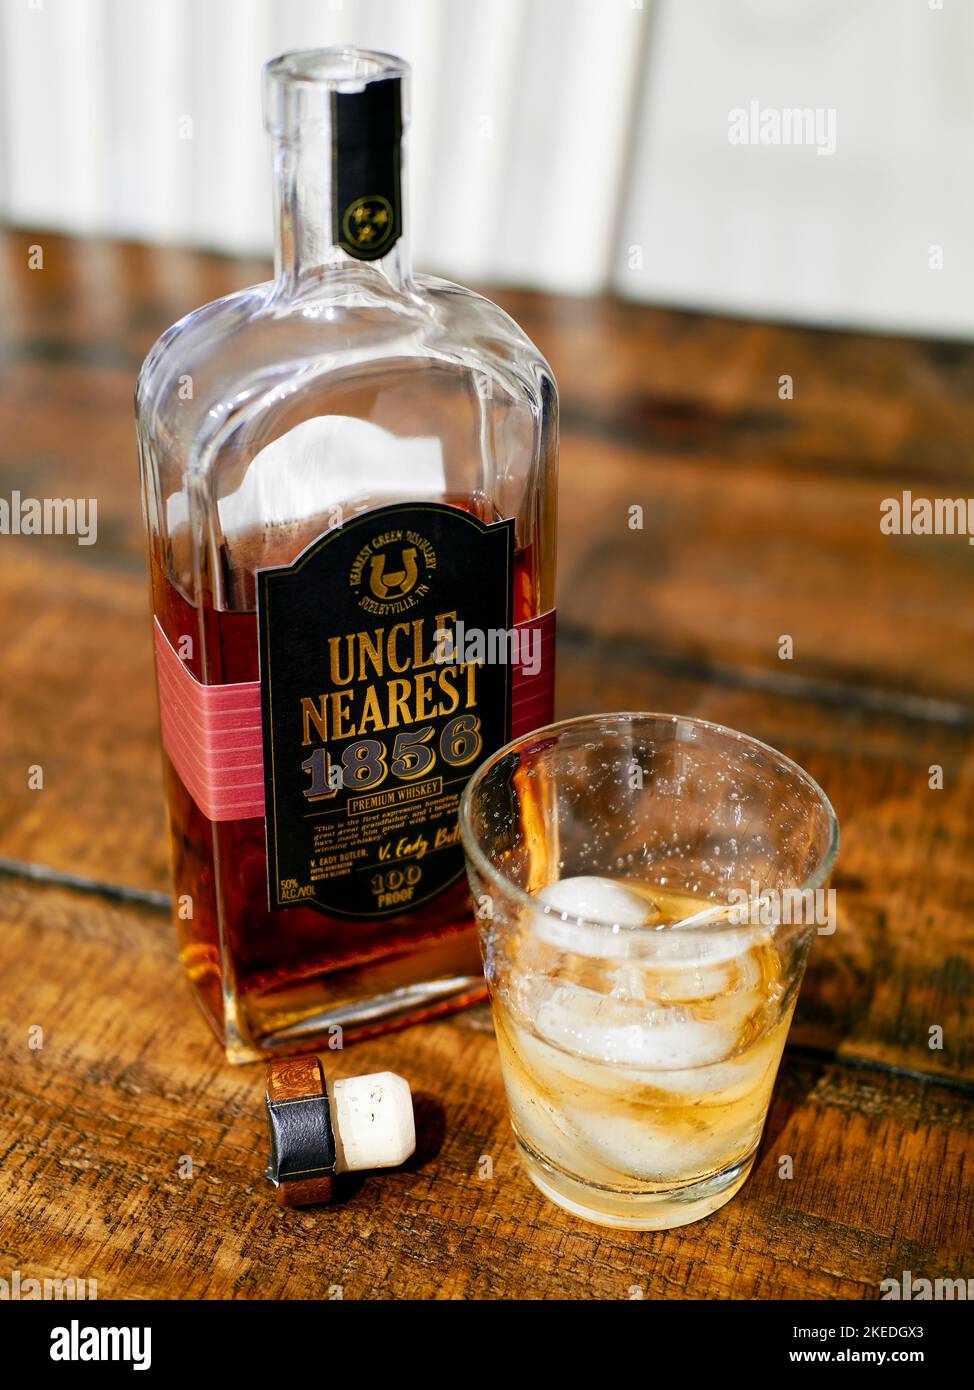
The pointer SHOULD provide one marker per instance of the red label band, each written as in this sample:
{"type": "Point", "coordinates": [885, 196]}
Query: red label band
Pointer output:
{"type": "Point", "coordinates": [533, 695]}
{"type": "Point", "coordinates": [212, 733]}
{"type": "Point", "coordinates": [212, 736]}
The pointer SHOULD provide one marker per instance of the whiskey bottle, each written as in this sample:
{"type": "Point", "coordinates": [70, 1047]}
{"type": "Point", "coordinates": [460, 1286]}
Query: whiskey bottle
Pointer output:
{"type": "Point", "coordinates": [348, 480]}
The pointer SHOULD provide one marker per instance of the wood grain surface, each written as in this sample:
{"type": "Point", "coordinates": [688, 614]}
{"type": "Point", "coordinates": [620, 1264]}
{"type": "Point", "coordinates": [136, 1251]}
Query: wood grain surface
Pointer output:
{"type": "Point", "coordinates": [133, 1155]}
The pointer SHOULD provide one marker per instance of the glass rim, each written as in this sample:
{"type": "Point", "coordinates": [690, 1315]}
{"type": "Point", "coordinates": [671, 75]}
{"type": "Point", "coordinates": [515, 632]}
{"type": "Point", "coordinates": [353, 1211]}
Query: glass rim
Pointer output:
{"type": "Point", "coordinates": [337, 67]}
{"type": "Point", "coordinates": [473, 851]}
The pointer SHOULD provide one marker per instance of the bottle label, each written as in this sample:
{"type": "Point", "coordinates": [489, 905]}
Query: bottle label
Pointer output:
{"type": "Point", "coordinates": [213, 737]}
{"type": "Point", "coordinates": [366, 154]}
{"type": "Point", "coordinates": [385, 678]}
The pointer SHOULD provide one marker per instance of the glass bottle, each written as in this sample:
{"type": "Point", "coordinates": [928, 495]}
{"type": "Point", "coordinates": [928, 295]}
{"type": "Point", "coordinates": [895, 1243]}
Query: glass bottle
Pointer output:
{"type": "Point", "coordinates": [348, 473]}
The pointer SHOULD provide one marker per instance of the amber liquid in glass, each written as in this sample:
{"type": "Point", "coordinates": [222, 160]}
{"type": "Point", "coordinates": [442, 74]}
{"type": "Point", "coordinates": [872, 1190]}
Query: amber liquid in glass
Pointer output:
{"type": "Point", "coordinates": [658, 1087]}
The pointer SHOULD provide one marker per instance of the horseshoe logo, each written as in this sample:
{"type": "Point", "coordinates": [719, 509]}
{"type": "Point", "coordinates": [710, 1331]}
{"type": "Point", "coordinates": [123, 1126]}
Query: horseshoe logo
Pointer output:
{"type": "Point", "coordinates": [394, 583]}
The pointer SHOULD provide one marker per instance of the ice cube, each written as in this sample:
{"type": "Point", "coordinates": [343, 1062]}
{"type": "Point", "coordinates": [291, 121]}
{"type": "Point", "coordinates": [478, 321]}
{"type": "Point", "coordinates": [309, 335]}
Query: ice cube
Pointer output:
{"type": "Point", "coordinates": [600, 900]}
{"type": "Point", "coordinates": [592, 1027]}
{"type": "Point", "coordinates": [588, 898]}
{"type": "Point", "coordinates": [609, 1121]}
{"type": "Point", "coordinates": [627, 1146]}
{"type": "Point", "coordinates": [671, 967]}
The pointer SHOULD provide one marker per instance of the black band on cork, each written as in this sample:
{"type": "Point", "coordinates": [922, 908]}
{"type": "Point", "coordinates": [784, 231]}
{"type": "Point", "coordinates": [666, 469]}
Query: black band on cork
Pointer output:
{"type": "Point", "coordinates": [302, 1159]}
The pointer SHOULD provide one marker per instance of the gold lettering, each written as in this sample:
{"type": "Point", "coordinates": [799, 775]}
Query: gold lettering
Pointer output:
{"type": "Point", "coordinates": [448, 684]}
{"type": "Point", "coordinates": [372, 650]}
{"type": "Point", "coordinates": [312, 713]}
{"type": "Point", "coordinates": [419, 660]}
{"type": "Point", "coordinates": [398, 707]}
{"type": "Point", "coordinates": [429, 688]}
{"type": "Point", "coordinates": [340, 714]}
{"type": "Point", "coordinates": [423, 708]}
{"type": "Point", "coordinates": [334, 646]}
{"type": "Point", "coordinates": [371, 719]}
{"type": "Point", "coordinates": [395, 664]}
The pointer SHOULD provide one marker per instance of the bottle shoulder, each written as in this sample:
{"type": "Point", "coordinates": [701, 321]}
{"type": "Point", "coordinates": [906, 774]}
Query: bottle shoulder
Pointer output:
{"type": "Point", "coordinates": [470, 317]}
{"type": "Point", "coordinates": [262, 341]}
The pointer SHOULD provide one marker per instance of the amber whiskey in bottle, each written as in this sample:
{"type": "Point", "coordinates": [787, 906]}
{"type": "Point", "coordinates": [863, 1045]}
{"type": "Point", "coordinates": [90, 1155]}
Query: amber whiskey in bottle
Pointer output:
{"type": "Point", "coordinates": [348, 482]}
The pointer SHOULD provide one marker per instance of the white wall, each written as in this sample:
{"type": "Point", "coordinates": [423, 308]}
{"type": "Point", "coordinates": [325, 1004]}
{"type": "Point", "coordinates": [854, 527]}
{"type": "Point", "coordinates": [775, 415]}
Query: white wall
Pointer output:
{"type": "Point", "coordinates": [568, 144]}
{"type": "Point", "coordinates": [520, 109]}
{"type": "Point", "coordinates": [784, 232]}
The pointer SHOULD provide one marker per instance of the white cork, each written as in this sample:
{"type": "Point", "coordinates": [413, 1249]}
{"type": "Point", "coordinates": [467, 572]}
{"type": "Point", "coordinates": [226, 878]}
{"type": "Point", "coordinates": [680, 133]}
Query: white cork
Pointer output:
{"type": "Point", "coordinates": [373, 1121]}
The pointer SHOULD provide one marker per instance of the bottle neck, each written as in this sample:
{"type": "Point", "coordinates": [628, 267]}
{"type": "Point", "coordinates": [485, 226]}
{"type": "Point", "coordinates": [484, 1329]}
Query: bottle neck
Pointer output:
{"type": "Point", "coordinates": [315, 234]}
{"type": "Point", "coordinates": [337, 117]}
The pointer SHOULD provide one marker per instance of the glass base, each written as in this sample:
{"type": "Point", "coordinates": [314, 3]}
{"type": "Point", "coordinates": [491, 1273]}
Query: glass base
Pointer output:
{"type": "Point", "coordinates": [636, 1211]}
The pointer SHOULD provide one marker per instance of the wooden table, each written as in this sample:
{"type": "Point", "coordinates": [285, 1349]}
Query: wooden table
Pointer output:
{"type": "Point", "coordinates": [761, 519]}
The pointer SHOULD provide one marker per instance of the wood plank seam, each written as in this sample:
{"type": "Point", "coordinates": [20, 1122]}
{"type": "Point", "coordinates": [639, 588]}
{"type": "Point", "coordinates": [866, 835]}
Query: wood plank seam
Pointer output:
{"type": "Point", "coordinates": [869, 699]}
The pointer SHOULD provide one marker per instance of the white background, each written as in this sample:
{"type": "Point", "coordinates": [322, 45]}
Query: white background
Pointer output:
{"type": "Point", "coordinates": [574, 145]}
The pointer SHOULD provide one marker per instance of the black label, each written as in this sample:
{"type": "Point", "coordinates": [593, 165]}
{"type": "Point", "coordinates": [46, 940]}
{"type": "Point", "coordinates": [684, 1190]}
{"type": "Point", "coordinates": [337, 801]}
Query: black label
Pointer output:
{"type": "Point", "coordinates": [367, 147]}
{"type": "Point", "coordinates": [372, 720]}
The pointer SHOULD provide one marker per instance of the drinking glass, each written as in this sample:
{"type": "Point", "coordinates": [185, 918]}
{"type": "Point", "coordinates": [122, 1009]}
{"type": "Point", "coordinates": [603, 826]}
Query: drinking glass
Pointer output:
{"type": "Point", "coordinates": [647, 887]}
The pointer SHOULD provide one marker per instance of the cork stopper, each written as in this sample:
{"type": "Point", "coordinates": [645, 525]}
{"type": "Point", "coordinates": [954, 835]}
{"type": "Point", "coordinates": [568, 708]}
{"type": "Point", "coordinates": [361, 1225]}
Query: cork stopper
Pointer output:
{"type": "Point", "coordinates": [373, 1119]}
{"type": "Point", "coordinates": [319, 1129]}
